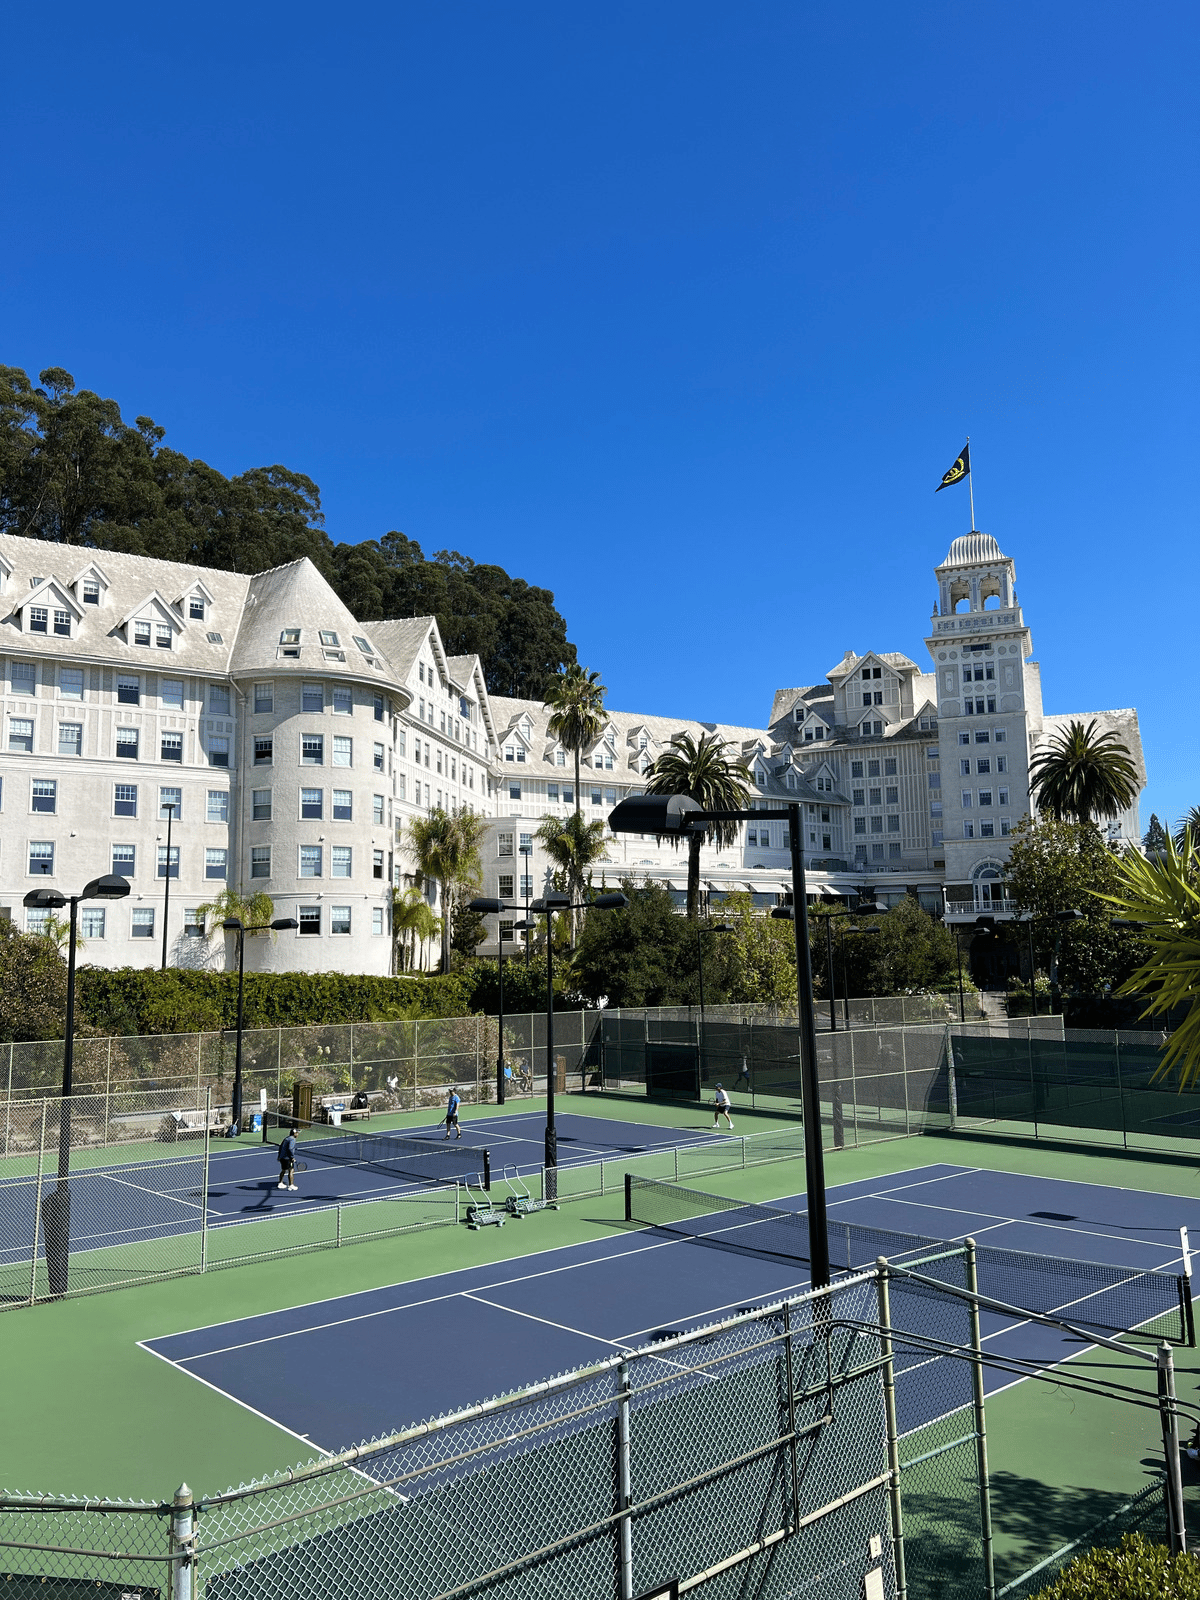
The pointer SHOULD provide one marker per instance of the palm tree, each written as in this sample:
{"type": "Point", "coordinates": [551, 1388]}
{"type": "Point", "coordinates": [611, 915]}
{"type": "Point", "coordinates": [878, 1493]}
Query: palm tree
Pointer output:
{"type": "Point", "coordinates": [413, 922]}
{"type": "Point", "coordinates": [576, 701]}
{"type": "Point", "coordinates": [1189, 824]}
{"type": "Point", "coordinates": [574, 846]}
{"type": "Point", "coordinates": [448, 847]}
{"type": "Point", "coordinates": [250, 910]}
{"type": "Point", "coordinates": [703, 772]}
{"type": "Point", "coordinates": [1083, 775]}
{"type": "Point", "coordinates": [1164, 895]}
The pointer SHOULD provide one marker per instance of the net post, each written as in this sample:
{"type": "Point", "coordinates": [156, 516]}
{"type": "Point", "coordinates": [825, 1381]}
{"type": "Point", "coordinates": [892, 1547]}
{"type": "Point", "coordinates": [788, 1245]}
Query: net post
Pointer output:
{"type": "Point", "coordinates": [1185, 1289]}
{"type": "Point", "coordinates": [338, 1230]}
{"type": "Point", "coordinates": [893, 1433]}
{"type": "Point", "coordinates": [1173, 1482]}
{"type": "Point", "coordinates": [628, 1196]}
{"type": "Point", "coordinates": [204, 1181]}
{"type": "Point", "coordinates": [951, 1082]}
{"type": "Point", "coordinates": [37, 1208]}
{"type": "Point", "coordinates": [981, 1455]}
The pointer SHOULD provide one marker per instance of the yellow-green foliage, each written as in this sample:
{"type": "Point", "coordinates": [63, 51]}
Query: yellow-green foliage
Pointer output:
{"type": "Point", "coordinates": [1134, 1570]}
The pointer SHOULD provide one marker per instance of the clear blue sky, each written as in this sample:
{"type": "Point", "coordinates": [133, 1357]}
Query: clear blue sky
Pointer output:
{"type": "Point", "coordinates": [678, 309]}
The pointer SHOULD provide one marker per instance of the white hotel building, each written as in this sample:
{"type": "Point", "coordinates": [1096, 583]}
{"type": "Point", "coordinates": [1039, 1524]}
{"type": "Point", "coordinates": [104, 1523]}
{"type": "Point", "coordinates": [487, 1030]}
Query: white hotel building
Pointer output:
{"type": "Point", "coordinates": [288, 743]}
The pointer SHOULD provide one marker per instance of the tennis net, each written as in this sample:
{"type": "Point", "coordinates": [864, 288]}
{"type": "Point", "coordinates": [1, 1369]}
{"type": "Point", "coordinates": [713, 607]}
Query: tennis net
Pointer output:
{"type": "Point", "coordinates": [1091, 1293]}
{"type": "Point", "coordinates": [430, 1160]}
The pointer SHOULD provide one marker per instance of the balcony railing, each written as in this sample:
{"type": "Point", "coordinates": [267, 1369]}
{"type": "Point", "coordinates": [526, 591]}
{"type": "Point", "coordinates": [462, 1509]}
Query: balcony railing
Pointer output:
{"type": "Point", "coordinates": [992, 905]}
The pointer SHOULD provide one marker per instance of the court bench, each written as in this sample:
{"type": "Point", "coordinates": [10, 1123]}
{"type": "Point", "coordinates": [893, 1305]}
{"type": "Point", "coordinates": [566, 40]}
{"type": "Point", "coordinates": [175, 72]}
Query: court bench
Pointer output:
{"type": "Point", "coordinates": [328, 1102]}
{"type": "Point", "coordinates": [193, 1124]}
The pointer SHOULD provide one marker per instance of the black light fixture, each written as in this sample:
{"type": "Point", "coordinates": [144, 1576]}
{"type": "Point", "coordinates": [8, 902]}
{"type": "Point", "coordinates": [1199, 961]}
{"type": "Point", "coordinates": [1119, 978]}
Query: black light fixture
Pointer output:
{"type": "Point", "coordinates": [1064, 920]}
{"type": "Point", "coordinates": [57, 1205]}
{"type": "Point", "coordinates": [235, 925]}
{"type": "Point", "coordinates": [701, 930]}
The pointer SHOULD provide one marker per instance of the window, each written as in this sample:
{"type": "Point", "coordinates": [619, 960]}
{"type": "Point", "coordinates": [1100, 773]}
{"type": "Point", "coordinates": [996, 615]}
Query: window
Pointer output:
{"type": "Point", "coordinates": [170, 693]}
{"type": "Point", "coordinates": [377, 707]}
{"type": "Point", "coordinates": [1002, 797]}
{"type": "Point", "coordinates": [363, 644]}
{"type": "Point", "coordinates": [938, 836]}
{"type": "Point", "coordinates": [312, 697]}
{"type": "Point", "coordinates": [260, 861]}
{"type": "Point", "coordinates": [378, 757]}
{"type": "Point", "coordinates": [860, 852]}
{"type": "Point", "coordinates": [41, 858]}
{"type": "Point", "coordinates": [552, 791]}
{"type": "Point", "coordinates": [597, 797]}
{"type": "Point", "coordinates": [163, 636]}
{"type": "Point", "coordinates": [568, 794]}
{"type": "Point", "coordinates": [196, 608]}
{"type": "Point", "coordinates": [935, 780]}
{"type": "Point", "coordinates": [859, 797]}
{"type": "Point", "coordinates": [876, 797]}
{"type": "Point", "coordinates": [218, 750]}
{"type": "Point", "coordinates": [343, 805]}
{"type": "Point", "coordinates": [91, 922]}
{"type": "Point", "coordinates": [171, 747]}
{"type": "Point", "coordinates": [39, 619]}
{"type": "Point", "coordinates": [215, 638]}
{"type": "Point", "coordinates": [310, 920]}
{"type": "Point", "coordinates": [893, 795]}
{"type": "Point", "coordinates": [964, 769]}
{"type": "Point", "coordinates": [91, 593]}
{"type": "Point", "coordinates": [193, 923]}
{"type": "Point", "coordinates": [752, 837]}
{"type": "Point", "coordinates": [968, 830]}
{"type": "Point", "coordinates": [143, 922]}
{"type": "Point", "coordinates": [935, 808]}
{"type": "Point", "coordinates": [504, 842]}
{"type": "Point", "coordinates": [312, 803]}
{"type": "Point", "coordinates": [893, 823]}
{"type": "Point", "coordinates": [966, 799]}
{"type": "Point", "coordinates": [889, 767]}
{"type": "Point", "coordinates": [377, 810]}
{"type": "Point", "coordinates": [1004, 826]}
{"type": "Point", "coordinates": [560, 758]}
{"type": "Point", "coordinates": [312, 749]}
{"type": "Point", "coordinates": [24, 677]}
{"type": "Point", "coordinates": [339, 919]}
{"type": "Point", "coordinates": [218, 699]}
{"type": "Point", "coordinates": [343, 751]}
{"type": "Point", "coordinates": [376, 919]}
{"type": "Point", "coordinates": [70, 738]}
{"type": "Point", "coordinates": [504, 886]}
{"type": "Point", "coordinates": [123, 856]}
{"type": "Point", "coordinates": [876, 824]}
{"type": "Point", "coordinates": [217, 807]}
{"type": "Point", "coordinates": [983, 737]}
{"type": "Point", "coordinates": [525, 844]}
{"type": "Point", "coordinates": [264, 697]}
{"type": "Point", "coordinates": [1001, 763]}
{"type": "Point", "coordinates": [260, 805]}
{"type": "Point", "coordinates": [856, 769]}
{"type": "Point", "coordinates": [610, 797]}
{"type": "Point", "coordinates": [872, 769]}
{"type": "Point", "coordinates": [876, 852]}
{"type": "Point", "coordinates": [987, 828]}
{"type": "Point", "coordinates": [141, 633]}
{"type": "Point", "coordinates": [985, 797]}
{"type": "Point", "coordinates": [264, 752]}
{"type": "Point", "coordinates": [215, 863]}
{"type": "Point", "coordinates": [328, 638]}
{"type": "Point", "coordinates": [310, 861]}
{"type": "Point", "coordinates": [127, 744]}
{"type": "Point", "coordinates": [343, 702]}
{"type": "Point", "coordinates": [893, 850]}
{"type": "Point", "coordinates": [162, 861]}
{"type": "Point", "coordinates": [70, 683]}
{"type": "Point", "coordinates": [290, 636]}
{"type": "Point", "coordinates": [128, 690]}
{"type": "Point", "coordinates": [341, 861]}
{"type": "Point", "coordinates": [125, 800]}
{"type": "Point", "coordinates": [170, 798]}
{"type": "Point", "coordinates": [964, 738]}
{"type": "Point", "coordinates": [514, 790]}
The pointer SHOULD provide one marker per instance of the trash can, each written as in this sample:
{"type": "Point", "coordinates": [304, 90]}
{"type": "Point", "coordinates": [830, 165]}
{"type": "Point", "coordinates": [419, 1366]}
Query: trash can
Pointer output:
{"type": "Point", "coordinates": [335, 1115]}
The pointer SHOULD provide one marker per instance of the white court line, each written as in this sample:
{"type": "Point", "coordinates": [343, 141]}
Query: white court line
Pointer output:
{"type": "Point", "coordinates": [1082, 1183]}
{"type": "Point", "coordinates": [547, 1322]}
{"type": "Point", "coordinates": [225, 1394]}
{"type": "Point", "coordinates": [161, 1194]}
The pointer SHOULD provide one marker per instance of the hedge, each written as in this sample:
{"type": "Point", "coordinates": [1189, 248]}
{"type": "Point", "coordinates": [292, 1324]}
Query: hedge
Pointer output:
{"type": "Point", "coordinates": [1134, 1570]}
{"type": "Point", "coordinates": [128, 1000]}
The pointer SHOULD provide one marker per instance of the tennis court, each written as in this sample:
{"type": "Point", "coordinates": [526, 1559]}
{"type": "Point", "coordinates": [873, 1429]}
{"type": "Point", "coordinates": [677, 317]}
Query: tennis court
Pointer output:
{"type": "Point", "coordinates": [432, 1344]}
{"type": "Point", "coordinates": [132, 1202]}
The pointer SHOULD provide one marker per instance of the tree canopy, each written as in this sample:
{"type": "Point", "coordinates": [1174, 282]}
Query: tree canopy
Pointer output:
{"type": "Point", "coordinates": [72, 471]}
{"type": "Point", "coordinates": [1083, 774]}
{"type": "Point", "coordinates": [704, 773]}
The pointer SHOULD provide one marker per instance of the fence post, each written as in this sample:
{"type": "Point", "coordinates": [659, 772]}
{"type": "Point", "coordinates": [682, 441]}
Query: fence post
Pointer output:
{"type": "Point", "coordinates": [107, 1088]}
{"type": "Point", "coordinates": [8, 1102]}
{"type": "Point", "coordinates": [1120, 1089]}
{"type": "Point", "coordinates": [181, 1545]}
{"type": "Point", "coordinates": [204, 1181]}
{"type": "Point", "coordinates": [37, 1208]}
{"type": "Point", "coordinates": [904, 1075]}
{"type": "Point", "coordinates": [352, 1058]}
{"type": "Point", "coordinates": [1173, 1483]}
{"type": "Point", "coordinates": [793, 1457]}
{"type": "Point", "coordinates": [624, 1487]}
{"type": "Point", "coordinates": [981, 1456]}
{"type": "Point", "coordinates": [893, 1435]}
{"type": "Point", "coordinates": [849, 1035]}
{"type": "Point", "coordinates": [279, 1061]}
{"type": "Point", "coordinates": [199, 1063]}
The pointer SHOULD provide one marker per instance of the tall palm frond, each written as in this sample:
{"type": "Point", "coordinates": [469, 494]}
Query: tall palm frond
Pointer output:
{"type": "Point", "coordinates": [705, 773]}
{"type": "Point", "coordinates": [576, 701]}
{"type": "Point", "coordinates": [1083, 775]}
{"type": "Point", "coordinates": [1190, 824]}
{"type": "Point", "coordinates": [251, 910]}
{"type": "Point", "coordinates": [448, 847]}
{"type": "Point", "coordinates": [1164, 894]}
{"type": "Point", "coordinates": [413, 922]}
{"type": "Point", "coordinates": [574, 846]}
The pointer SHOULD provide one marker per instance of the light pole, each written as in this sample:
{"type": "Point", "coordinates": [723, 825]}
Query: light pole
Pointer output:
{"type": "Point", "coordinates": [170, 810]}
{"type": "Point", "coordinates": [57, 1209]}
{"type": "Point", "coordinates": [845, 927]}
{"type": "Point", "coordinates": [678, 814]}
{"type": "Point", "coordinates": [492, 908]}
{"type": "Point", "coordinates": [1061, 917]}
{"type": "Point", "coordinates": [526, 885]}
{"type": "Point", "coordinates": [701, 930]}
{"type": "Point", "coordinates": [235, 925]}
{"type": "Point", "coordinates": [548, 905]}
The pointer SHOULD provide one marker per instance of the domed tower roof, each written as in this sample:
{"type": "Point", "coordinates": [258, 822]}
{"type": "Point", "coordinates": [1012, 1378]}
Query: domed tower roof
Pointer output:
{"type": "Point", "coordinates": [973, 548]}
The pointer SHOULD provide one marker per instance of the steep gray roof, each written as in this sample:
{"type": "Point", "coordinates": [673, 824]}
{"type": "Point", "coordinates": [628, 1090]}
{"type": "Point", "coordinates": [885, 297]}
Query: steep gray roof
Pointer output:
{"type": "Point", "coordinates": [402, 638]}
{"type": "Point", "coordinates": [297, 596]}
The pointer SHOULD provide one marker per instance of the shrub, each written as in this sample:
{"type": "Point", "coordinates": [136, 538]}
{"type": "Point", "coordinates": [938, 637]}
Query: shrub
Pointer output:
{"type": "Point", "coordinates": [1134, 1570]}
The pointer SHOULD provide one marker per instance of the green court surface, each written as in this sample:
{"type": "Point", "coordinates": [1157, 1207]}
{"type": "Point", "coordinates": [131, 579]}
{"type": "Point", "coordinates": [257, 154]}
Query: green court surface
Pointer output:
{"type": "Point", "coordinates": [89, 1413]}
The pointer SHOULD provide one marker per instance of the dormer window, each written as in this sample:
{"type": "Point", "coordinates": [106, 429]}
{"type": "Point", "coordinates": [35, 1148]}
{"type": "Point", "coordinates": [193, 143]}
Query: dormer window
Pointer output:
{"type": "Point", "coordinates": [290, 636]}
{"type": "Point", "coordinates": [329, 638]}
{"type": "Point", "coordinates": [91, 593]}
{"type": "Point", "coordinates": [39, 619]}
{"type": "Point", "coordinates": [141, 633]}
{"type": "Point", "coordinates": [162, 635]}
{"type": "Point", "coordinates": [363, 644]}
{"type": "Point", "coordinates": [196, 608]}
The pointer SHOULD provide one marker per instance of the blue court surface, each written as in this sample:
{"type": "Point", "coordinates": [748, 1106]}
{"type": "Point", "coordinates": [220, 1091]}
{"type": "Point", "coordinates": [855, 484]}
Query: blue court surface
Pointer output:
{"type": "Point", "coordinates": [427, 1347]}
{"type": "Point", "coordinates": [131, 1202]}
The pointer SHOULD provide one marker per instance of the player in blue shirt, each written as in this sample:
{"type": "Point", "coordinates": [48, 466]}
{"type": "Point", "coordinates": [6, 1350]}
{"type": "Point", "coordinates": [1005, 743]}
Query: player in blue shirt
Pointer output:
{"type": "Point", "coordinates": [452, 1105]}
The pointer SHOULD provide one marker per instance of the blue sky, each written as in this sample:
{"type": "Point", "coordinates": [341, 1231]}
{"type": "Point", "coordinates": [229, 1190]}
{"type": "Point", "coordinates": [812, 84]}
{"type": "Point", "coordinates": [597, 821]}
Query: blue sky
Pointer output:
{"type": "Point", "coordinates": [680, 310]}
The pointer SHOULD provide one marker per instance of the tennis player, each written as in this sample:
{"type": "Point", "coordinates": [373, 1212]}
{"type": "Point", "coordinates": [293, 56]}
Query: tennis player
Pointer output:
{"type": "Point", "coordinates": [287, 1162]}
{"type": "Point", "coordinates": [721, 1108]}
{"type": "Point", "coordinates": [452, 1105]}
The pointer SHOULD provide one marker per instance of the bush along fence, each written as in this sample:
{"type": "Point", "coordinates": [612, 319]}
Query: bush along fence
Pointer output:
{"type": "Point", "coordinates": [830, 1444]}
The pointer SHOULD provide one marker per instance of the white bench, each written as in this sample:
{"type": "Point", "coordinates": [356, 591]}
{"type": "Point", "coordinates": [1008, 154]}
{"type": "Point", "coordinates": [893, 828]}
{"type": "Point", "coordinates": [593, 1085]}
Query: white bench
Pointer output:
{"type": "Point", "coordinates": [187, 1124]}
{"type": "Point", "coordinates": [328, 1102]}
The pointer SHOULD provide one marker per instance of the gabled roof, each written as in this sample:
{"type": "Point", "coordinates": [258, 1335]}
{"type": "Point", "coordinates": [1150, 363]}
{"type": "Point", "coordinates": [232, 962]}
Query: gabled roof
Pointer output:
{"type": "Point", "coordinates": [154, 598]}
{"type": "Point", "coordinates": [45, 588]}
{"type": "Point", "coordinates": [401, 639]}
{"type": "Point", "coordinates": [196, 586]}
{"type": "Point", "coordinates": [92, 570]}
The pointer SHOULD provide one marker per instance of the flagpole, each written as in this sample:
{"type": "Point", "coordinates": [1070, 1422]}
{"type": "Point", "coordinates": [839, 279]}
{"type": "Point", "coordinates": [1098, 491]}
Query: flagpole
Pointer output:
{"type": "Point", "coordinates": [971, 488]}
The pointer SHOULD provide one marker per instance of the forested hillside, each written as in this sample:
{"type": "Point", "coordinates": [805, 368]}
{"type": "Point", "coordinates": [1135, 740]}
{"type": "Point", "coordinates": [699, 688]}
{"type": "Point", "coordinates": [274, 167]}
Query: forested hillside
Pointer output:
{"type": "Point", "coordinates": [74, 472]}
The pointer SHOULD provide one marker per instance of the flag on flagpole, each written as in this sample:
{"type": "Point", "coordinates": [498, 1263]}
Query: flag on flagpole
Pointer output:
{"type": "Point", "coordinates": [960, 470]}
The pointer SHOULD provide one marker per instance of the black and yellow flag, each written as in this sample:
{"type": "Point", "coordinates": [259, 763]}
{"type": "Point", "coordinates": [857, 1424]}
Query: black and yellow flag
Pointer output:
{"type": "Point", "coordinates": [958, 471]}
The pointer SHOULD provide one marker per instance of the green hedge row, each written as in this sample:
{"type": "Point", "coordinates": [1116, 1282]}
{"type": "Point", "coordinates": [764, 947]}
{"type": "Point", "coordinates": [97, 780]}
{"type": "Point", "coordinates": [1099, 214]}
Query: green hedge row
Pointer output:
{"type": "Point", "coordinates": [1135, 1570]}
{"type": "Point", "coordinates": [126, 1000]}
